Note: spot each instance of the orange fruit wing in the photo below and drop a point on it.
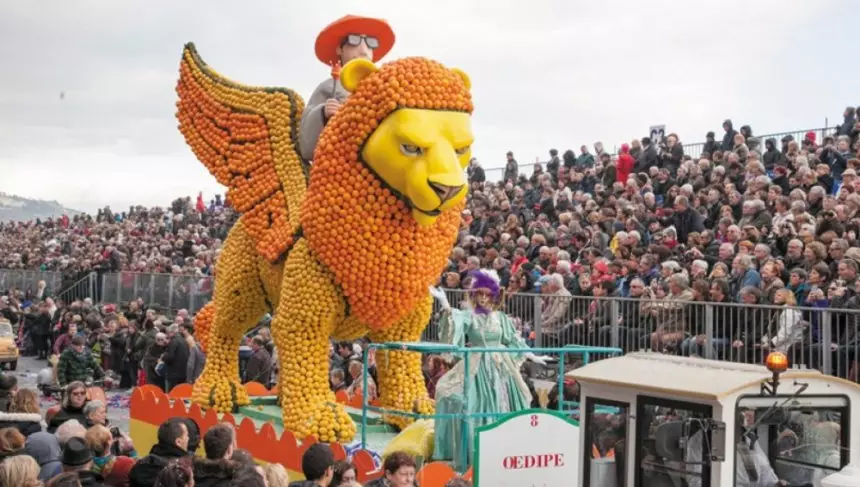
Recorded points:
(247, 138)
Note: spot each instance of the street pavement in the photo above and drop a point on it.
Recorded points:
(29, 367)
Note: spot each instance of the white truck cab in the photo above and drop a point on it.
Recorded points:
(654, 420)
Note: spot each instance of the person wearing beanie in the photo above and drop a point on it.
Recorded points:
(751, 141)
(45, 449)
(711, 144)
(772, 156)
(809, 141)
(78, 458)
(787, 139)
(729, 137)
(553, 164)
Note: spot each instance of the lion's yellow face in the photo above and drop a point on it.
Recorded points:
(422, 154)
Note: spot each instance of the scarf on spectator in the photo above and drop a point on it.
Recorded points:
(103, 465)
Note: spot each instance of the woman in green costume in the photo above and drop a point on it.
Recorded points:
(495, 383)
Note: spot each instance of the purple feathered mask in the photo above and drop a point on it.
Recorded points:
(484, 281)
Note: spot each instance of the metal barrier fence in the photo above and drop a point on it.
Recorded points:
(465, 420)
(26, 280)
(815, 338)
(693, 150)
(83, 288)
(167, 291)
(819, 338)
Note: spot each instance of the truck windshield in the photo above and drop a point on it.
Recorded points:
(797, 440)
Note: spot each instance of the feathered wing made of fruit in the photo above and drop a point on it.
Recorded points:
(246, 136)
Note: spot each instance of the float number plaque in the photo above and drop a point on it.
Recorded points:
(533, 448)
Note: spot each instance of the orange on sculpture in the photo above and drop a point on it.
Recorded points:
(343, 248)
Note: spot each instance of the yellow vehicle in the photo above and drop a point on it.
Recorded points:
(8, 347)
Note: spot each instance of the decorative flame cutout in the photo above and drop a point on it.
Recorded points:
(150, 407)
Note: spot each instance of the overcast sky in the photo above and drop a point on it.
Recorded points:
(545, 73)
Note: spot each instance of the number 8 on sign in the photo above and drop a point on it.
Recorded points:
(534, 420)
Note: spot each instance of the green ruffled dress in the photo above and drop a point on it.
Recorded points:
(495, 383)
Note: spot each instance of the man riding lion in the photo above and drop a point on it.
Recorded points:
(343, 249)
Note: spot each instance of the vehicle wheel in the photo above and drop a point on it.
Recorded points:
(13, 365)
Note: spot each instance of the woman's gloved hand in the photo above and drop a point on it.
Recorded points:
(439, 294)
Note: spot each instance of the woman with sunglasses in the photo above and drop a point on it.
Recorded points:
(496, 385)
(350, 37)
(74, 400)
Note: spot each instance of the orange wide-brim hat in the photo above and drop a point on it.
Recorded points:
(333, 35)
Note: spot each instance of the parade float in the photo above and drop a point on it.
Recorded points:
(348, 245)
(338, 249)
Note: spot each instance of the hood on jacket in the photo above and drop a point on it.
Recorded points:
(167, 451)
(21, 417)
(625, 148)
(770, 144)
(214, 469)
(810, 136)
(746, 131)
(727, 124)
(45, 449)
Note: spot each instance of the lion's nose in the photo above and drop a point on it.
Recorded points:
(444, 192)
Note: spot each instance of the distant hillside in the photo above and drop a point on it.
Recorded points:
(16, 208)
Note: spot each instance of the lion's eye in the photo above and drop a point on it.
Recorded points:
(411, 150)
(463, 150)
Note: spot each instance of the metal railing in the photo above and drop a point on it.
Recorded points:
(28, 280)
(694, 150)
(469, 418)
(820, 338)
(168, 291)
(817, 338)
(83, 288)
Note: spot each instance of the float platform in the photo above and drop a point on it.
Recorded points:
(260, 430)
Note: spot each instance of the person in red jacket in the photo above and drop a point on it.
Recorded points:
(624, 165)
(201, 206)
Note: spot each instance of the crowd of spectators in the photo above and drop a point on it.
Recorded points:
(182, 239)
(77, 446)
(86, 341)
(773, 222)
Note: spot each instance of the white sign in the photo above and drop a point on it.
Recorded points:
(534, 448)
(657, 133)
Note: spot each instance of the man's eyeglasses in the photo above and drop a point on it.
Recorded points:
(78, 393)
(356, 39)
